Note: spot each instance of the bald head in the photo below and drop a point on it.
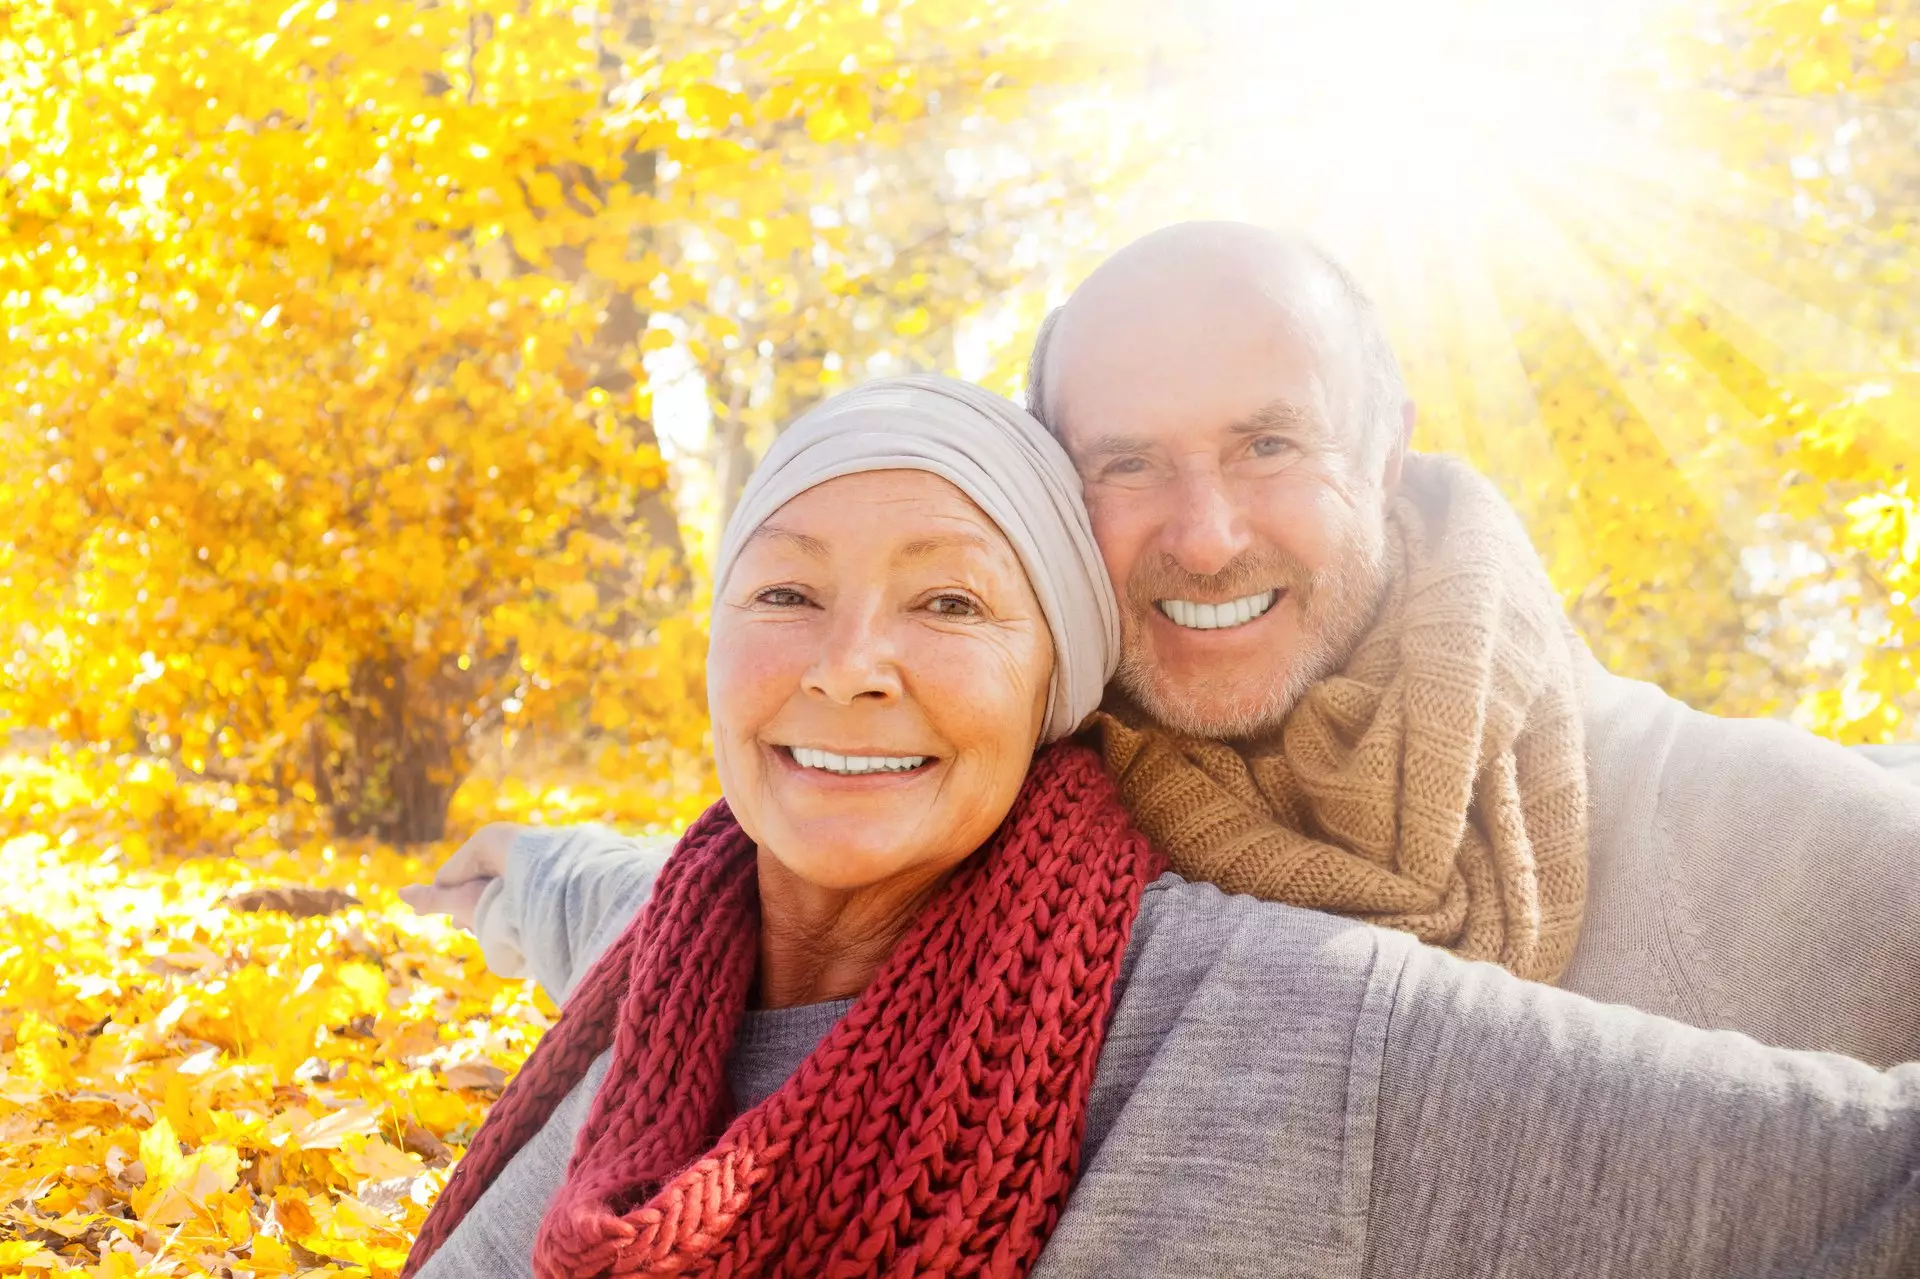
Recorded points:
(1238, 422)
(1225, 283)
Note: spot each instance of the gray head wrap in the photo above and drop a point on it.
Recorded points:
(998, 456)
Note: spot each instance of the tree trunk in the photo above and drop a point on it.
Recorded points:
(605, 355)
(382, 766)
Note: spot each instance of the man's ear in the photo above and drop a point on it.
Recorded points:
(1397, 453)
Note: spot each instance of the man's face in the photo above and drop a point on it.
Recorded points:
(1224, 470)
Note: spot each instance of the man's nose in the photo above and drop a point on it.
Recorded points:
(856, 660)
(1207, 528)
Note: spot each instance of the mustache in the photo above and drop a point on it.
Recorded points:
(1246, 574)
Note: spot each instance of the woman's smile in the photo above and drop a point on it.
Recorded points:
(863, 766)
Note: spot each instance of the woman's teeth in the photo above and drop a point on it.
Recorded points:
(1212, 617)
(847, 765)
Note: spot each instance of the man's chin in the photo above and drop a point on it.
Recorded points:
(1204, 709)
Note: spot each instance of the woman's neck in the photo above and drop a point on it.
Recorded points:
(824, 943)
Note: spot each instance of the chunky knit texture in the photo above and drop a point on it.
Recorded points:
(1437, 784)
(935, 1131)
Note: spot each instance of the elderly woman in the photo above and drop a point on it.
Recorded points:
(916, 998)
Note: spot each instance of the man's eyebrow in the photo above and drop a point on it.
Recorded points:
(1112, 446)
(807, 545)
(1278, 415)
(921, 547)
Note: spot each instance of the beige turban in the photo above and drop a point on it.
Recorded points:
(998, 456)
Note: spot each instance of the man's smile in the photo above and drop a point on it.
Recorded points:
(1196, 616)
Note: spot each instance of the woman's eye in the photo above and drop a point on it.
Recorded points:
(953, 606)
(781, 597)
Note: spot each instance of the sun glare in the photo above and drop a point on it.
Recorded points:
(1410, 116)
(1453, 152)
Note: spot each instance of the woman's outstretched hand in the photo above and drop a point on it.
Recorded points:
(457, 885)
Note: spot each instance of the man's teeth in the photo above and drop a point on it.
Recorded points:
(1212, 617)
(846, 765)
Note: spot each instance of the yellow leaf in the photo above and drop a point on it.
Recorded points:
(710, 106)
(170, 1199)
(361, 991)
(377, 1160)
(328, 675)
(270, 1256)
(328, 1131)
(294, 1213)
(160, 1154)
(117, 1265)
(578, 599)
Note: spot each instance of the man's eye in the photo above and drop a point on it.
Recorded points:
(781, 597)
(1126, 466)
(953, 606)
(1268, 446)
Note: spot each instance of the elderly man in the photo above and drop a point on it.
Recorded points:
(1347, 683)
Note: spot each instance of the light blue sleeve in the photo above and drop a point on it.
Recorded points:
(567, 893)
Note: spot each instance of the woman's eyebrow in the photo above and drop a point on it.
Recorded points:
(808, 545)
(921, 547)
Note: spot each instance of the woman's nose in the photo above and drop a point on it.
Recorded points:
(1205, 529)
(856, 661)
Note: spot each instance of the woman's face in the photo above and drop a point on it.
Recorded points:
(878, 679)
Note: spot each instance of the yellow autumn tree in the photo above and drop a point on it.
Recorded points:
(326, 419)
(1741, 419)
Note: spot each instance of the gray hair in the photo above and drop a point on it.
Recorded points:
(1037, 372)
(1383, 389)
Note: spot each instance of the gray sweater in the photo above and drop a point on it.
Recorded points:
(1287, 1093)
(1746, 875)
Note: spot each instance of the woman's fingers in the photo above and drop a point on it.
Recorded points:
(483, 856)
(458, 900)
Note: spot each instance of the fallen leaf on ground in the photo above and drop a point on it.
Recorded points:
(483, 1075)
(293, 899)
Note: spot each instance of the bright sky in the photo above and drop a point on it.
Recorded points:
(1439, 110)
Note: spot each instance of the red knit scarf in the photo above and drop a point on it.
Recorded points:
(935, 1130)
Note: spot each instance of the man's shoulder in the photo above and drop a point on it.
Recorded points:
(1900, 759)
(1636, 731)
(1714, 800)
(1749, 875)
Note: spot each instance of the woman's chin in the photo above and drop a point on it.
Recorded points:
(847, 865)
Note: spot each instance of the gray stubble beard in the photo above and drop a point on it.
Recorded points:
(1338, 604)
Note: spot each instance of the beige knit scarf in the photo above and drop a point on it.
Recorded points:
(1437, 784)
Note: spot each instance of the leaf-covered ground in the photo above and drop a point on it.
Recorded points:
(192, 1087)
